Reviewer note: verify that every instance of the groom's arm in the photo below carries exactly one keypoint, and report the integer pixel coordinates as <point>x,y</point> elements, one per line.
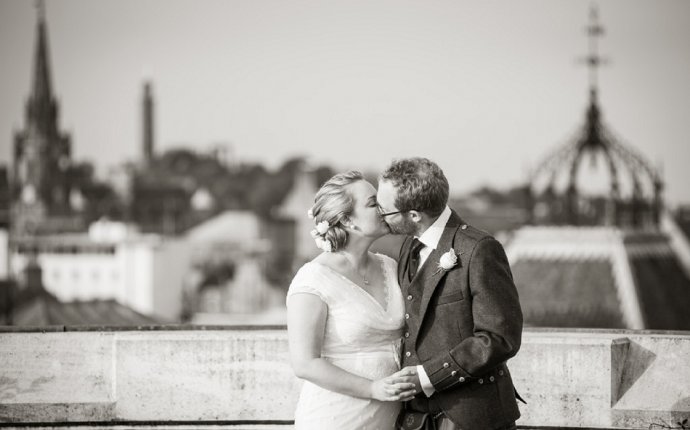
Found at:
<point>497,321</point>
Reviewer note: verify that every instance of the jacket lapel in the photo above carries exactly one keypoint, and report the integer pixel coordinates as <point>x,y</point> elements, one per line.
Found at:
<point>404,260</point>
<point>429,275</point>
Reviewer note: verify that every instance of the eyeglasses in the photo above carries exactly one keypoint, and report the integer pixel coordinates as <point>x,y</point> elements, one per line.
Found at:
<point>385,214</point>
<point>390,213</point>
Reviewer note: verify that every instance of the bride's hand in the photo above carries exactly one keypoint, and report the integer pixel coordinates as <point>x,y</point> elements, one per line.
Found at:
<point>407,374</point>
<point>391,389</point>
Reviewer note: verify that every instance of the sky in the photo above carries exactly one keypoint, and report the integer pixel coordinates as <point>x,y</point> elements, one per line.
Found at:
<point>484,88</point>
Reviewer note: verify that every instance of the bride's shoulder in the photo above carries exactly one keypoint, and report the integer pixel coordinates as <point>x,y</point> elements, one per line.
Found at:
<point>306,280</point>
<point>308,269</point>
<point>312,270</point>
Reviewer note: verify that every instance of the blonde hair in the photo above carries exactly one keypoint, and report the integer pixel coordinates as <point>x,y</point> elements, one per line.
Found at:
<point>334,204</point>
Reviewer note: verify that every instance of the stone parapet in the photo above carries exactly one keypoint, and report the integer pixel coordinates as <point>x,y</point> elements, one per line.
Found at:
<point>190,377</point>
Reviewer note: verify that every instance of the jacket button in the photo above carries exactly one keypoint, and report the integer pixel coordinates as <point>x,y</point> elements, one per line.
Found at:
<point>491,379</point>
<point>453,373</point>
<point>462,379</point>
<point>500,373</point>
<point>481,381</point>
<point>407,334</point>
<point>445,365</point>
<point>407,316</point>
<point>464,226</point>
<point>408,353</point>
<point>409,297</point>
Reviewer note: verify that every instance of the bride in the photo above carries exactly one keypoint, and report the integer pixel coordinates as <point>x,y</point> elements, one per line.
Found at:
<point>345,316</point>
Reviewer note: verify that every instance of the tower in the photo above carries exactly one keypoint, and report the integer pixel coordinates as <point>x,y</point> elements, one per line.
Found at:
<point>40,187</point>
<point>147,123</point>
<point>639,207</point>
<point>598,261</point>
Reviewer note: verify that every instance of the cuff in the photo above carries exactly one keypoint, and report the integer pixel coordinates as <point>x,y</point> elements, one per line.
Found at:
<point>424,381</point>
<point>444,372</point>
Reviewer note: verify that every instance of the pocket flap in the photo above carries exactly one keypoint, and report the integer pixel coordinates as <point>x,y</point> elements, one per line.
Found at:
<point>449,298</point>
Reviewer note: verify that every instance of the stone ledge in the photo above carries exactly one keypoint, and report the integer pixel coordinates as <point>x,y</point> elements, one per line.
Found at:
<point>157,426</point>
<point>207,327</point>
<point>240,378</point>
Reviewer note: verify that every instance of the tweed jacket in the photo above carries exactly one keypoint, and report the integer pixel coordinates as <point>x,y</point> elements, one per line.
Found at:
<point>462,325</point>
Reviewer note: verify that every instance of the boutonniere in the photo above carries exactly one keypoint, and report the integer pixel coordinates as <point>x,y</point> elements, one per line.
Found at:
<point>447,261</point>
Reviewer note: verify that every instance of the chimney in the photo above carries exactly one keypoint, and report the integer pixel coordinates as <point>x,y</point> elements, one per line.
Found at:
<point>147,125</point>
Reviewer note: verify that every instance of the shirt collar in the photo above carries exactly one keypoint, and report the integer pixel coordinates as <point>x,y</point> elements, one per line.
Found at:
<point>432,235</point>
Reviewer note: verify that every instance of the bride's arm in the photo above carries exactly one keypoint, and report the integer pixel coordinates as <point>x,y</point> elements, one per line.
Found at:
<point>306,318</point>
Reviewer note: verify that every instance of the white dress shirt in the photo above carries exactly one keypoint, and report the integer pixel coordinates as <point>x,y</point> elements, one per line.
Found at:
<point>430,239</point>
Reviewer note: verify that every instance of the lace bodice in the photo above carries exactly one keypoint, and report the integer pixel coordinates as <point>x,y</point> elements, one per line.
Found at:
<point>356,322</point>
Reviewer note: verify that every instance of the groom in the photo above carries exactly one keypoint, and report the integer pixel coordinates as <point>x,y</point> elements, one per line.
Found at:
<point>463,318</point>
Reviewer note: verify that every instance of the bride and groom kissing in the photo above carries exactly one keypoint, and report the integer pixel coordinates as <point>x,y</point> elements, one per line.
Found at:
<point>420,342</point>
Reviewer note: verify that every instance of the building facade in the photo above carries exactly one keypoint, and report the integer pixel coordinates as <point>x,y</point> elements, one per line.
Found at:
<point>111,261</point>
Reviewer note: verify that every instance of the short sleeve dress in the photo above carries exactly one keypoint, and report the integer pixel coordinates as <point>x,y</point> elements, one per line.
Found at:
<point>362,337</point>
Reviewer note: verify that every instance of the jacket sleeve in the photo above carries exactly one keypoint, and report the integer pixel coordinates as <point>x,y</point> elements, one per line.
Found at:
<point>497,321</point>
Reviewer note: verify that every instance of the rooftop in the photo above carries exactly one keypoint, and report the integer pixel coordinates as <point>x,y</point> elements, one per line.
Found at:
<point>181,377</point>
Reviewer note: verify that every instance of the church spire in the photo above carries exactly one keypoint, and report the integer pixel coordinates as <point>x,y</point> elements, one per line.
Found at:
<point>41,186</point>
<point>593,60</point>
<point>41,90</point>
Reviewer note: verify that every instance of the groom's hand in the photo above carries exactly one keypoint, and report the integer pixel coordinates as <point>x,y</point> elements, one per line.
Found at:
<point>392,389</point>
<point>408,375</point>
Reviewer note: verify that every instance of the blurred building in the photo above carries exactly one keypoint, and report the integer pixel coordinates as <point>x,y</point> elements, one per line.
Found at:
<point>7,286</point>
<point>599,261</point>
<point>40,182</point>
<point>4,223</point>
<point>495,212</point>
<point>243,260</point>
<point>602,277</point>
<point>162,195</point>
<point>294,207</point>
<point>111,261</point>
<point>159,202</point>
<point>49,191</point>
<point>33,305</point>
<point>677,227</point>
<point>229,282</point>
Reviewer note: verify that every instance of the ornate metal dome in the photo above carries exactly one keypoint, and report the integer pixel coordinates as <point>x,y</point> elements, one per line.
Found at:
<point>637,207</point>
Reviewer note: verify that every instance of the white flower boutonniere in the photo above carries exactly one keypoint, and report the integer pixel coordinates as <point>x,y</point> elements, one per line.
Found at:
<point>447,261</point>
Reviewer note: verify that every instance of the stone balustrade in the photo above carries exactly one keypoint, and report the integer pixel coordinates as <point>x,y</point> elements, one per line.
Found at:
<point>240,378</point>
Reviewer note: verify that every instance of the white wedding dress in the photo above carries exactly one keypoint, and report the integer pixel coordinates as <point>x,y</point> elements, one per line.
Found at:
<point>361,337</point>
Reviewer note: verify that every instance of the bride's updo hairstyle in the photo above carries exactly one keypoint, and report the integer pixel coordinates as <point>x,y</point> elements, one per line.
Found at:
<point>334,204</point>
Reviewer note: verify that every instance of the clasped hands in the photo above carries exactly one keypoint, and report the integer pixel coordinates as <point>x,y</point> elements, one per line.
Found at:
<point>400,386</point>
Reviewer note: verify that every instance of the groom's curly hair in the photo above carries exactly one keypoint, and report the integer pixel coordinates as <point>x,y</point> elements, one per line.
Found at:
<point>420,184</point>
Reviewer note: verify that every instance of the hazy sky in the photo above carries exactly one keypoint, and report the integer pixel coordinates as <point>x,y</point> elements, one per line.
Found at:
<point>486,88</point>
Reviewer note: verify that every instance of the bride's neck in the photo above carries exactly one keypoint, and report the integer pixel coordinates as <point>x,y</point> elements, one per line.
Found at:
<point>357,252</point>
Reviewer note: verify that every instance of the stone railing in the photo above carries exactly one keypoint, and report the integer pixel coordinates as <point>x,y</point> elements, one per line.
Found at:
<point>240,378</point>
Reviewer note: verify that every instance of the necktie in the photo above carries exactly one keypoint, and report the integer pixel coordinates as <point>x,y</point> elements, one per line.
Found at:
<point>414,258</point>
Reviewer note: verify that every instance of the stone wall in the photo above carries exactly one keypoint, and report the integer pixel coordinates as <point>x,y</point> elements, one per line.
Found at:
<point>184,377</point>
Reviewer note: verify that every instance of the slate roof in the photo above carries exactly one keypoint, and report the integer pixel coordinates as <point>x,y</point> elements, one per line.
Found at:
<point>683,222</point>
<point>663,291</point>
<point>37,307</point>
<point>599,277</point>
<point>568,293</point>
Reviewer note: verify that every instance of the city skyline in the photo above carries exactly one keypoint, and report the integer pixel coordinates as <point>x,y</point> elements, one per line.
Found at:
<point>354,85</point>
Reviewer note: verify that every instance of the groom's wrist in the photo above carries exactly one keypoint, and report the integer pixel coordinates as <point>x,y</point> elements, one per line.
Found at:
<point>444,372</point>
